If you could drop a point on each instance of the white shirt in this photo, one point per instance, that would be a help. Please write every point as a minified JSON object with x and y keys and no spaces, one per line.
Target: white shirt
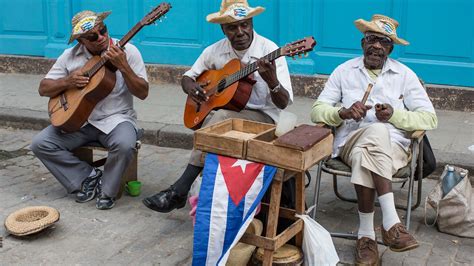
{"x":117,"y":107}
{"x":396,"y":85}
{"x":221,"y":52}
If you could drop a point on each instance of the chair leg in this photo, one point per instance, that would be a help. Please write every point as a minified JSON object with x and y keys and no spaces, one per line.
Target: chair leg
{"x":130,"y":174}
{"x":412,"y":182}
{"x":317,"y":186}
{"x":336,"y":191}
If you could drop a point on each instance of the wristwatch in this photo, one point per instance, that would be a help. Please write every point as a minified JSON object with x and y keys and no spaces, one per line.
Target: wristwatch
{"x":276,"y":89}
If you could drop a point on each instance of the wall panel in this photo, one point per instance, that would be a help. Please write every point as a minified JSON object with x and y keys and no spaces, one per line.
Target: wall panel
{"x":441,"y":32}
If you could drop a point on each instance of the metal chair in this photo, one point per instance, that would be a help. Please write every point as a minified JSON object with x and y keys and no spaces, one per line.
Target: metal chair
{"x":336,"y":167}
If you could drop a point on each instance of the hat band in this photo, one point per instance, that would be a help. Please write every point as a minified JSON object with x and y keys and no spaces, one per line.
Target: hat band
{"x":84,"y":25}
{"x":238,"y":11}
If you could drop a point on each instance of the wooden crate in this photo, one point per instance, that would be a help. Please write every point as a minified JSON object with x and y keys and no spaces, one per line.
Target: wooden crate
{"x":261,"y":149}
{"x":229,"y":137}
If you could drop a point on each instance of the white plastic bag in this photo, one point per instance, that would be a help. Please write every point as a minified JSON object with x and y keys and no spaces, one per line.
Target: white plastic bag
{"x":318,"y":247}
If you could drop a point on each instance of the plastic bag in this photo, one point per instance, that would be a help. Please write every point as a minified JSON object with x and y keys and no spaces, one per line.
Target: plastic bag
{"x":318,"y":247}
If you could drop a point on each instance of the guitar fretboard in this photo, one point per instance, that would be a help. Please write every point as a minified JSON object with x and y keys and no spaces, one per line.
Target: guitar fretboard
{"x":91,"y":72}
{"x":247,"y":70}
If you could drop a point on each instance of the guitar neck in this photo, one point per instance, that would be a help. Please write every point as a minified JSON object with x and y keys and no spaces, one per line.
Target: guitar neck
{"x":121,"y":44}
{"x":250,"y":68}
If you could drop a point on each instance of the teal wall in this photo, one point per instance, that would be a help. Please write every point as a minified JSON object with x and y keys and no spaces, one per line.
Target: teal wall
{"x":441,"y":32}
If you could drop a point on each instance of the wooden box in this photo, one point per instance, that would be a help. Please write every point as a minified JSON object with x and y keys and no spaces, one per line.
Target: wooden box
{"x":261,"y":149}
{"x":229,"y":137}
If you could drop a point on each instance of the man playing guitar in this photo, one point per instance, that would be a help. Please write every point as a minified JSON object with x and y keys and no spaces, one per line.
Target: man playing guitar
{"x":271,"y":92}
{"x":111,"y":123}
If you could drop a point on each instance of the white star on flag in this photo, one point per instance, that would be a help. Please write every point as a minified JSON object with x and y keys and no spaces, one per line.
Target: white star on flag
{"x":242,"y":164}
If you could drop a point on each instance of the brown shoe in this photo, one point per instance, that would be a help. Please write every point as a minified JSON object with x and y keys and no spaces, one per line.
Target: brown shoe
{"x":398,"y":238}
{"x":367,"y":252}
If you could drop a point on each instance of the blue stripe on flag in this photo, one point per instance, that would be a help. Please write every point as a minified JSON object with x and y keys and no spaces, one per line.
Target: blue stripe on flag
{"x":204,"y":205}
{"x":234,"y":222}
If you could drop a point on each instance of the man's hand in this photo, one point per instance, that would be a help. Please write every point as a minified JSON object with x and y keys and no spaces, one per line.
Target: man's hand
{"x":267,"y":71}
{"x":77,"y":79}
{"x":194,"y":90}
{"x":357,"y":111}
{"x":117,"y":57}
{"x":383,"y":112}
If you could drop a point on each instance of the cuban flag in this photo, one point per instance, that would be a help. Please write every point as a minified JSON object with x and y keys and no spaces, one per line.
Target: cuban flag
{"x":230,"y":192}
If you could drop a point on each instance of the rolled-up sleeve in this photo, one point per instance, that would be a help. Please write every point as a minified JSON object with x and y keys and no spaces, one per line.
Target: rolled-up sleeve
{"x":323,"y":110}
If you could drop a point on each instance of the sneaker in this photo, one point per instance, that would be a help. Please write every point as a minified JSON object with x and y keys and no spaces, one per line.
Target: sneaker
{"x":367,"y":252}
{"x":398,"y":238}
{"x":88,"y":188}
{"x":166,"y":201}
{"x":103,"y":201}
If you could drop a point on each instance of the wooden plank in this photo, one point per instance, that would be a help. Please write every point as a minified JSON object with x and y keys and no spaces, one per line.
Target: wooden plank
{"x":284,"y":212}
{"x":318,"y":152}
{"x":267,"y":258}
{"x":260,"y":149}
{"x":300,"y":203}
{"x":273,"y":211}
{"x":258,"y":241}
{"x":289,"y":233}
{"x":228,"y":137}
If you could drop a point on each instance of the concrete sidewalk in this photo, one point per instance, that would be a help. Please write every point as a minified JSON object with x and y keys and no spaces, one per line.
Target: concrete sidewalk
{"x":161,"y":117}
{"x":131,"y":234}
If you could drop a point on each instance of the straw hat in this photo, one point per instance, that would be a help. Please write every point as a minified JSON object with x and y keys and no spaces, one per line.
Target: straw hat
{"x":85,"y":21}
{"x":30,"y":220}
{"x":381,"y":24}
{"x":234,"y":10}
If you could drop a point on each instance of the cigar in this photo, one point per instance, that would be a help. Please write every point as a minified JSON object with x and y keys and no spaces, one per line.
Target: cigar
{"x":380,"y":107}
{"x":367,"y":92}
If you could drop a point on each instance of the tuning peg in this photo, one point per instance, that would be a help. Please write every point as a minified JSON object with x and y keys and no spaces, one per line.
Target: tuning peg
{"x":306,"y":54}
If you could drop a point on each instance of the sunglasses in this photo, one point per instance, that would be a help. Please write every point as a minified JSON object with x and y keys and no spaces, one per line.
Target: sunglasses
{"x":92,"y":37}
{"x":371,"y":39}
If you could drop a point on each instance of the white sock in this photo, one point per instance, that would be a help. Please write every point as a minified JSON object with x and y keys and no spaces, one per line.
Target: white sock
{"x":93,"y":172}
{"x":389,"y":213}
{"x":366,"y":225}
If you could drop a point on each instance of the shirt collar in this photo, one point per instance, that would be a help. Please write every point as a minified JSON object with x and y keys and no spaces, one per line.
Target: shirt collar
{"x":388,"y":66}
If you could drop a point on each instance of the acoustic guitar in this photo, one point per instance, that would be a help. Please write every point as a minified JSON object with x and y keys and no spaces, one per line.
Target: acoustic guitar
{"x":70,"y":109}
{"x":230,"y":87}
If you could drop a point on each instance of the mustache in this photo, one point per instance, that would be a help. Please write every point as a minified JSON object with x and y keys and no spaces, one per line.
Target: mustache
{"x":375,"y":51}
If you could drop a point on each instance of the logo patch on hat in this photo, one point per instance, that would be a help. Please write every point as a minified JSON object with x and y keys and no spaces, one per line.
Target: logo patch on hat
{"x":386,"y":26}
{"x":238,"y":11}
{"x":84,"y":25}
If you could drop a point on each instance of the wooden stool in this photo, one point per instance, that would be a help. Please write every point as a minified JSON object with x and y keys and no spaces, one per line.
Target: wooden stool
{"x":86,"y":153}
{"x":271,"y":241}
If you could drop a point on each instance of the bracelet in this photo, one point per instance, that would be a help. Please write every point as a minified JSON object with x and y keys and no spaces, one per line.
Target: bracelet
{"x":276,"y":89}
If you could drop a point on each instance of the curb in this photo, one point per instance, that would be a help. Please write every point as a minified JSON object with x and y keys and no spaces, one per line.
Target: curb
{"x":443,"y":97}
{"x":172,"y":135}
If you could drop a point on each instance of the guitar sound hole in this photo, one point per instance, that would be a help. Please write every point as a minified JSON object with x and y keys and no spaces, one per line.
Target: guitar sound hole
{"x":221,"y":85}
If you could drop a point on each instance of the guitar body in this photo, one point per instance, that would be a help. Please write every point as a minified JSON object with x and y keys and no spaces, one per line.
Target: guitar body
{"x":233,"y":97}
{"x":71,"y":109}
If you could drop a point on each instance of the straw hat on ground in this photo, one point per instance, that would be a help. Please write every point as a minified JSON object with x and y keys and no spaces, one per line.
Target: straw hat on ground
{"x":85,"y":21}
{"x":381,"y":24}
{"x":234,"y":10}
{"x":30,"y":220}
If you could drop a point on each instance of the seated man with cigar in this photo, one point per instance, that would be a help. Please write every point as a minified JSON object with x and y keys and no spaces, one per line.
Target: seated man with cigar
{"x":374,"y":142}
{"x":271,"y":92}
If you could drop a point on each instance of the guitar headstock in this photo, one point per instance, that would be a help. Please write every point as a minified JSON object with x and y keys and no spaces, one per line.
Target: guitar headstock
{"x":299,"y":47}
{"x":156,"y":13}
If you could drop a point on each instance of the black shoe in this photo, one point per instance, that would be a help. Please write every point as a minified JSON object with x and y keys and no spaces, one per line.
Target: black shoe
{"x":88,"y":188}
{"x":103,"y":201}
{"x":166,"y":201}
